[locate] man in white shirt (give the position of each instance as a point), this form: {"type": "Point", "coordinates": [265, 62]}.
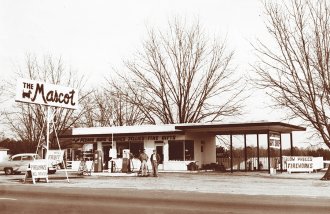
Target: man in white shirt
{"type": "Point", "coordinates": [144, 158]}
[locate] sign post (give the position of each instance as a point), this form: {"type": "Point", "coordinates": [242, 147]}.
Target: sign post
{"type": "Point", "coordinates": [274, 143]}
{"type": "Point", "coordinates": [49, 95]}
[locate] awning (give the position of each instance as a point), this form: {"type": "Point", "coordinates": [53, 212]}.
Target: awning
{"type": "Point", "coordinates": [241, 128]}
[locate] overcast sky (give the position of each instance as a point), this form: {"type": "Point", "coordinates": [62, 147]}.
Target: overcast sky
{"type": "Point", "coordinates": [94, 36]}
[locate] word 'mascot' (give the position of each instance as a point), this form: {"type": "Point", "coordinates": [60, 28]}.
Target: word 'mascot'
{"type": "Point", "coordinates": [53, 96]}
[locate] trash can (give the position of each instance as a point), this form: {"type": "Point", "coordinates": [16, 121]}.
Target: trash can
{"type": "Point", "coordinates": [192, 166]}
{"type": "Point", "coordinates": [112, 166]}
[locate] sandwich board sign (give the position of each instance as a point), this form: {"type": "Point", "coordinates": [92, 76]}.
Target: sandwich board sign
{"type": "Point", "coordinates": [55, 156]}
{"type": "Point", "coordinates": [39, 169]}
{"type": "Point", "coordinates": [37, 92]}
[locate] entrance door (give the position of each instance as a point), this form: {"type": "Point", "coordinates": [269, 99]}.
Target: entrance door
{"type": "Point", "coordinates": [159, 149]}
{"type": "Point", "coordinates": [106, 149]}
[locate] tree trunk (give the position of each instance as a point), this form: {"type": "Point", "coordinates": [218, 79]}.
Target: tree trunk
{"type": "Point", "coordinates": [327, 174]}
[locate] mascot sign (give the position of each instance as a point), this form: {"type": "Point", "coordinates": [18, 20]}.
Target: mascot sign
{"type": "Point", "coordinates": [31, 91]}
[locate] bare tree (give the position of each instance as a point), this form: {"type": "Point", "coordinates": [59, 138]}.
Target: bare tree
{"type": "Point", "coordinates": [296, 71]}
{"type": "Point", "coordinates": [2, 100]}
{"type": "Point", "coordinates": [181, 76]}
{"type": "Point", "coordinates": [27, 121]}
{"type": "Point", "coordinates": [108, 108]}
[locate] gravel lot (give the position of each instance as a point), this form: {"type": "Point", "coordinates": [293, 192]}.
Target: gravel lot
{"type": "Point", "coordinates": [249, 183]}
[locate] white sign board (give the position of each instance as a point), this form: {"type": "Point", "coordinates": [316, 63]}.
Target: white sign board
{"type": "Point", "coordinates": [318, 163]}
{"type": "Point", "coordinates": [113, 153]}
{"type": "Point", "coordinates": [299, 163]}
{"type": "Point", "coordinates": [55, 156]}
{"type": "Point", "coordinates": [275, 140]}
{"type": "Point", "coordinates": [126, 153]}
{"type": "Point", "coordinates": [36, 92]}
{"type": "Point", "coordinates": [39, 169]}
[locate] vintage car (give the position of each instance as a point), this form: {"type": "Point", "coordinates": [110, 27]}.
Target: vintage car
{"type": "Point", "coordinates": [19, 163]}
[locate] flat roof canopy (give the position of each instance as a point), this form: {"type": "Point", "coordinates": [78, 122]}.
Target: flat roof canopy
{"type": "Point", "coordinates": [212, 128]}
{"type": "Point", "coordinates": [241, 128]}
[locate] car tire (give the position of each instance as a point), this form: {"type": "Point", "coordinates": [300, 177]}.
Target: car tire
{"type": "Point", "coordinates": [9, 171]}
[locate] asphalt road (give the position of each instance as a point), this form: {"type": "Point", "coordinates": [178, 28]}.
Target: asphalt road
{"type": "Point", "coordinates": [39, 199]}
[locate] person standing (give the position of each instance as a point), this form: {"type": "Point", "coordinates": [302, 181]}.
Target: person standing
{"type": "Point", "coordinates": [144, 158]}
{"type": "Point", "coordinates": [130, 162]}
{"type": "Point", "coordinates": [155, 158]}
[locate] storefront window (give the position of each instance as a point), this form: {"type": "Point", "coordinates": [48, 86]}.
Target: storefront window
{"type": "Point", "coordinates": [120, 147]}
{"type": "Point", "coordinates": [181, 150]}
{"type": "Point", "coordinates": [175, 150]}
{"type": "Point", "coordinates": [134, 147]}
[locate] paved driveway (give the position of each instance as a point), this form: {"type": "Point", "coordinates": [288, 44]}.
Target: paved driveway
{"type": "Point", "coordinates": [250, 183]}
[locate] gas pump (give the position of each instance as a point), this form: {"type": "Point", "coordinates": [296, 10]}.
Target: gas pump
{"type": "Point", "coordinates": [126, 160]}
{"type": "Point", "coordinates": [112, 154]}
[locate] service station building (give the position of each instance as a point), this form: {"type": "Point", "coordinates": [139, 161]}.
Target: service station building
{"type": "Point", "coordinates": [177, 144]}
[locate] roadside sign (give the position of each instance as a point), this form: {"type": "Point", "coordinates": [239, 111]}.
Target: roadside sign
{"type": "Point", "coordinates": [39, 169]}
{"type": "Point", "coordinates": [299, 163]}
{"type": "Point", "coordinates": [36, 92]}
{"type": "Point", "coordinates": [55, 156]}
{"type": "Point", "coordinates": [275, 140]}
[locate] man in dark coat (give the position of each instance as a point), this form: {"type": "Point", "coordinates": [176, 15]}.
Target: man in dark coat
{"type": "Point", "coordinates": [155, 158]}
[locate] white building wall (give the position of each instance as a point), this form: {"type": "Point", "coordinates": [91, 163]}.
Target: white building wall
{"type": "Point", "coordinates": [204, 148]}
{"type": "Point", "coordinates": [204, 155]}
{"type": "Point", "coordinates": [149, 146]}
{"type": "Point", "coordinates": [99, 146]}
{"type": "Point", "coordinates": [209, 154]}
{"type": "Point", "coordinates": [198, 154]}
{"type": "Point", "coordinates": [169, 165]}
{"type": "Point", "coordinates": [3, 155]}
{"type": "Point", "coordinates": [165, 150]}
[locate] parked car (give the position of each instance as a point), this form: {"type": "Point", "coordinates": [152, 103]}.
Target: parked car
{"type": "Point", "coordinates": [20, 162]}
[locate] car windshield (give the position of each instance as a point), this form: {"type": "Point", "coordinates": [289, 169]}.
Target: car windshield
{"type": "Point", "coordinates": [17, 158]}
{"type": "Point", "coordinates": [25, 157]}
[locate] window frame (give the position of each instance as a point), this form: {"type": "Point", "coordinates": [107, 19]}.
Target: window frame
{"type": "Point", "coordinates": [184, 155]}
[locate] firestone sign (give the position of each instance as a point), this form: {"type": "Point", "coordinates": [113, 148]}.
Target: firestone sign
{"type": "Point", "coordinates": [31, 91]}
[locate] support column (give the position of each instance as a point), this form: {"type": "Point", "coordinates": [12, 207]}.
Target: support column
{"type": "Point", "coordinates": [48, 121]}
{"type": "Point", "coordinates": [268, 151]}
{"type": "Point", "coordinates": [245, 153]}
{"type": "Point", "coordinates": [231, 153]}
{"type": "Point", "coordinates": [291, 144]}
{"type": "Point", "coordinates": [281, 159]}
{"type": "Point", "coordinates": [258, 152]}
